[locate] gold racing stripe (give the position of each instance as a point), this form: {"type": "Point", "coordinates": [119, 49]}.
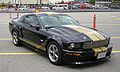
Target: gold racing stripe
{"type": "Point", "coordinates": [104, 49]}
{"type": "Point", "coordinates": [38, 46]}
{"type": "Point", "coordinates": [92, 36]}
{"type": "Point", "coordinates": [86, 32]}
{"type": "Point", "coordinates": [96, 50]}
{"type": "Point", "coordinates": [95, 33]}
{"type": "Point", "coordinates": [95, 36]}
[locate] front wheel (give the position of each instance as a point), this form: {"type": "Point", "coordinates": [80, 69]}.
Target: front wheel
{"type": "Point", "coordinates": [15, 38]}
{"type": "Point", "coordinates": [54, 53]}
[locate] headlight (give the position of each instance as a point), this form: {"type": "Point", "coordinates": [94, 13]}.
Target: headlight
{"type": "Point", "coordinates": [107, 36]}
{"type": "Point", "coordinates": [71, 46]}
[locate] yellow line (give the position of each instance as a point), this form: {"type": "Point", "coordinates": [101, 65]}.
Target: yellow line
{"type": "Point", "coordinates": [116, 18]}
{"type": "Point", "coordinates": [19, 53]}
{"type": "Point", "coordinates": [116, 51]}
{"type": "Point", "coordinates": [32, 53]}
{"type": "Point", "coordinates": [117, 37]}
{"type": "Point", "coordinates": [109, 24]}
{"type": "Point", "coordinates": [106, 24]}
{"type": "Point", "coordinates": [5, 38]}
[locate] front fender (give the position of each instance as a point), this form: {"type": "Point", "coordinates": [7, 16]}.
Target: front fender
{"type": "Point", "coordinates": [56, 39]}
{"type": "Point", "coordinates": [18, 29]}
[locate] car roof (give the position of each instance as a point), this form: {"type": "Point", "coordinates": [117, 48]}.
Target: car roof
{"type": "Point", "coordinates": [44, 13]}
{"type": "Point", "coordinates": [48, 13]}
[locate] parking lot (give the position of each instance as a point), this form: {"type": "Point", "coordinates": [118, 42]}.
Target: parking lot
{"type": "Point", "coordinates": [23, 59]}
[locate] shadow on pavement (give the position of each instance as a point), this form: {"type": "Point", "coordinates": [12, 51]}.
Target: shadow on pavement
{"type": "Point", "coordinates": [83, 66]}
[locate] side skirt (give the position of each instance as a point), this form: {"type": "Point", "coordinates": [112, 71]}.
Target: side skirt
{"type": "Point", "coordinates": [34, 45]}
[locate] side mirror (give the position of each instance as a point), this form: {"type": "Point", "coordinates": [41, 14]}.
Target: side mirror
{"type": "Point", "coordinates": [77, 21]}
{"type": "Point", "coordinates": [35, 25]}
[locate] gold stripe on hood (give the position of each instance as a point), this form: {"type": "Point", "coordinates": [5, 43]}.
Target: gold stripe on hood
{"type": "Point", "coordinates": [95, 36]}
{"type": "Point", "coordinates": [94, 32]}
{"type": "Point", "coordinates": [86, 32]}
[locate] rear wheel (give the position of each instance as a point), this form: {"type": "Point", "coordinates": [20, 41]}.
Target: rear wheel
{"type": "Point", "coordinates": [15, 38]}
{"type": "Point", "coordinates": [54, 53]}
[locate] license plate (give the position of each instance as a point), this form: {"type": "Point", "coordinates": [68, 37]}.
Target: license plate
{"type": "Point", "coordinates": [101, 55]}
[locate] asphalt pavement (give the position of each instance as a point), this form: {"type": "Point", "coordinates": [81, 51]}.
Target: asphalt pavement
{"type": "Point", "coordinates": [23, 59]}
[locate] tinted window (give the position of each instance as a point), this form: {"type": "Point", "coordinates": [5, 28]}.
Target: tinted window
{"type": "Point", "coordinates": [31, 19]}
{"type": "Point", "coordinates": [57, 20]}
{"type": "Point", "coordinates": [49, 20]}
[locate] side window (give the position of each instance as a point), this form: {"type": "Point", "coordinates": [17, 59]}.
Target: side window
{"type": "Point", "coordinates": [49, 21]}
{"type": "Point", "coordinates": [43, 20]}
{"type": "Point", "coordinates": [21, 19]}
{"type": "Point", "coordinates": [26, 20]}
{"type": "Point", "coordinates": [31, 19]}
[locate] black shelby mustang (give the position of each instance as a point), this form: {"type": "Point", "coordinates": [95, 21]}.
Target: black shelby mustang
{"type": "Point", "coordinates": [61, 37]}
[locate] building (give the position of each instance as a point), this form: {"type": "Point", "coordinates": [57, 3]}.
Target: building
{"type": "Point", "coordinates": [24, 1]}
{"type": "Point", "coordinates": [82, 1]}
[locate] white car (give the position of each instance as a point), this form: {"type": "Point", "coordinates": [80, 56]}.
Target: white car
{"type": "Point", "coordinates": [45, 7]}
{"type": "Point", "coordinates": [22, 8]}
{"type": "Point", "coordinates": [60, 7]}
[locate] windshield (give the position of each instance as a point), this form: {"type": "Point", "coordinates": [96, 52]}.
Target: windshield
{"type": "Point", "coordinates": [57, 20]}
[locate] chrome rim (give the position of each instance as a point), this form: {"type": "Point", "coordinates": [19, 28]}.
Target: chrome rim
{"type": "Point", "coordinates": [53, 53]}
{"type": "Point", "coordinates": [15, 38]}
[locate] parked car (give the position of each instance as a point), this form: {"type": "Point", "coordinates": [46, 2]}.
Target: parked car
{"type": "Point", "coordinates": [74, 6]}
{"type": "Point", "coordinates": [45, 7]}
{"type": "Point", "coordinates": [60, 7]}
{"type": "Point", "coordinates": [22, 8]}
{"type": "Point", "coordinates": [61, 37]}
{"type": "Point", "coordinates": [100, 7]}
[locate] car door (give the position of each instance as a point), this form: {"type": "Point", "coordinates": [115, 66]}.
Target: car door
{"type": "Point", "coordinates": [30, 32]}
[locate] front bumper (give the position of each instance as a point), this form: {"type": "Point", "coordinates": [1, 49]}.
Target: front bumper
{"type": "Point", "coordinates": [86, 56]}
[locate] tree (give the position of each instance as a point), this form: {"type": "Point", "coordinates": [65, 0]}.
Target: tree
{"type": "Point", "coordinates": [92, 2]}
{"type": "Point", "coordinates": [62, 1]}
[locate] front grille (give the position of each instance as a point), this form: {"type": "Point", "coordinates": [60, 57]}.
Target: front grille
{"type": "Point", "coordinates": [94, 44]}
{"type": "Point", "coordinates": [78, 45]}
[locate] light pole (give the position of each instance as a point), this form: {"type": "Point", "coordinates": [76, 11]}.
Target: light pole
{"type": "Point", "coordinates": [108, 3]}
{"type": "Point", "coordinates": [40, 3]}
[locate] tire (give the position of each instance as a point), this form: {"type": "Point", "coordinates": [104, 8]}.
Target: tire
{"type": "Point", "coordinates": [15, 38]}
{"type": "Point", "coordinates": [54, 53]}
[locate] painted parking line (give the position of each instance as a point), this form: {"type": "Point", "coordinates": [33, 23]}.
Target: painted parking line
{"type": "Point", "coordinates": [104, 24]}
{"type": "Point", "coordinates": [116, 51]}
{"type": "Point", "coordinates": [115, 37]}
{"type": "Point", "coordinates": [116, 18]}
{"type": "Point", "coordinates": [32, 53]}
{"type": "Point", "coordinates": [18, 53]}
{"type": "Point", "coordinates": [5, 38]}
{"type": "Point", "coordinates": [109, 24]}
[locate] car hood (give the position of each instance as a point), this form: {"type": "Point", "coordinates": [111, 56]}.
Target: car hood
{"type": "Point", "coordinates": [76, 33]}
